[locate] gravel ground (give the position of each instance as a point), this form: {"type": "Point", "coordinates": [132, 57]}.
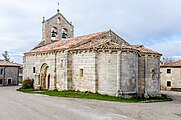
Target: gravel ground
{"type": "Point", "coordinates": [21, 106]}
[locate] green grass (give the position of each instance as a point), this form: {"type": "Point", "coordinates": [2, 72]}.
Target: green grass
{"type": "Point", "coordinates": [74, 94]}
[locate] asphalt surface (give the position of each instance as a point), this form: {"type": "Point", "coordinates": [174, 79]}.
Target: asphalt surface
{"type": "Point", "coordinates": [16, 105]}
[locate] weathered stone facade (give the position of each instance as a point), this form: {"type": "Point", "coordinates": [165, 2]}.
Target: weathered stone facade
{"type": "Point", "coordinates": [58, 26]}
{"type": "Point", "coordinates": [9, 73]}
{"type": "Point", "coordinates": [101, 62]}
{"type": "Point", "coordinates": [171, 75]}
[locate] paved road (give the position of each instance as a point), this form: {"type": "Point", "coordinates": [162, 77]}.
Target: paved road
{"type": "Point", "coordinates": [176, 96]}
{"type": "Point", "coordinates": [15, 105]}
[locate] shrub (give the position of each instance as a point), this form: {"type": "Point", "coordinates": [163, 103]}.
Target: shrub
{"type": "Point", "coordinates": [27, 84]}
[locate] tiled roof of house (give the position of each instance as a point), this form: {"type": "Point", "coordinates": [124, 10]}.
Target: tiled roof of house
{"type": "Point", "coordinates": [100, 40]}
{"type": "Point", "coordinates": [142, 49]}
{"type": "Point", "coordinates": [172, 64]}
{"type": "Point", "coordinates": [4, 63]}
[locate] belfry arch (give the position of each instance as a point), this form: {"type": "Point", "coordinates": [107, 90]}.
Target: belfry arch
{"type": "Point", "coordinates": [44, 77]}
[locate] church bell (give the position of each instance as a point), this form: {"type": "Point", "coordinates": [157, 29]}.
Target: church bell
{"type": "Point", "coordinates": [64, 35]}
{"type": "Point", "coordinates": [54, 33]}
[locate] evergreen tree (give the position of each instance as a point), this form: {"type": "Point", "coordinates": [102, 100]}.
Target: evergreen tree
{"type": "Point", "coordinates": [6, 56]}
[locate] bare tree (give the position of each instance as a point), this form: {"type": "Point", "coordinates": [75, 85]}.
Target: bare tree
{"type": "Point", "coordinates": [6, 56]}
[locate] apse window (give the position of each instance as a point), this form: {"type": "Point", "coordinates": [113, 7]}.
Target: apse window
{"type": "Point", "coordinates": [61, 64]}
{"type": "Point", "coordinates": [168, 71]}
{"type": "Point", "coordinates": [34, 70]}
{"type": "Point", "coordinates": [81, 73]}
{"type": "Point", "coordinates": [168, 83]}
{"type": "Point", "coordinates": [154, 74]}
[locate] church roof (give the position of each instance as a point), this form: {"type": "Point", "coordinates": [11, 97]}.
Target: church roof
{"type": "Point", "coordinates": [172, 64]}
{"type": "Point", "coordinates": [142, 49]}
{"type": "Point", "coordinates": [100, 40]}
{"type": "Point", "coordinates": [4, 63]}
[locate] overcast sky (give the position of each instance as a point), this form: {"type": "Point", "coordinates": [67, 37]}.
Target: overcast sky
{"type": "Point", "coordinates": [154, 23]}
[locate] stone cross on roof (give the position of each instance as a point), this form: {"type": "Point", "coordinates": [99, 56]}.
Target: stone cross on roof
{"type": "Point", "coordinates": [58, 6]}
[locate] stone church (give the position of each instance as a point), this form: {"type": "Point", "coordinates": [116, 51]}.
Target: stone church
{"type": "Point", "coordinates": [101, 62]}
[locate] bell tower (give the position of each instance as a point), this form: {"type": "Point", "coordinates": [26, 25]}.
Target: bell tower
{"type": "Point", "coordinates": [56, 28]}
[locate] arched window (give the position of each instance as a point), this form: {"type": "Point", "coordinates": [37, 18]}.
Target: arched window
{"type": "Point", "coordinates": [53, 32]}
{"type": "Point", "coordinates": [64, 33]}
{"type": "Point", "coordinates": [58, 20]}
{"type": "Point", "coordinates": [154, 74]}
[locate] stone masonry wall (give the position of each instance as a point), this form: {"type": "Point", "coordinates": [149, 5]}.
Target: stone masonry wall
{"type": "Point", "coordinates": [84, 62]}
{"type": "Point", "coordinates": [129, 74]}
{"type": "Point", "coordinates": [58, 22]}
{"type": "Point", "coordinates": [174, 77]}
{"type": "Point", "coordinates": [11, 73]}
{"type": "Point", "coordinates": [111, 73]}
{"type": "Point", "coordinates": [60, 67]}
{"type": "Point", "coordinates": [152, 87]}
{"type": "Point", "coordinates": [107, 73]}
{"type": "Point", "coordinates": [37, 61]}
{"type": "Point", "coordinates": [141, 76]}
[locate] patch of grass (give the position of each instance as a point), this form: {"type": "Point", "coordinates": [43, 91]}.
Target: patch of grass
{"type": "Point", "coordinates": [31, 90]}
{"type": "Point", "coordinates": [97, 96]}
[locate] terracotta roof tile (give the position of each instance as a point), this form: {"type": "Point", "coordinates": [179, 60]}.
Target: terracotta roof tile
{"type": "Point", "coordinates": [68, 43]}
{"type": "Point", "coordinates": [172, 64]}
{"type": "Point", "coordinates": [142, 49]}
{"type": "Point", "coordinates": [100, 40]}
{"type": "Point", "coordinates": [6, 63]}
{"type": "Point", "coordinates": [102, 44]}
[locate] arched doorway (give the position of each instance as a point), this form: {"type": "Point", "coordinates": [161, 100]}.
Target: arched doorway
{"type": "Point", "coordinates": [43, 77]}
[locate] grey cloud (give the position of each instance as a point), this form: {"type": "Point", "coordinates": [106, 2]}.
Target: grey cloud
{"type": "Point", "coordinates": [149, 22]}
